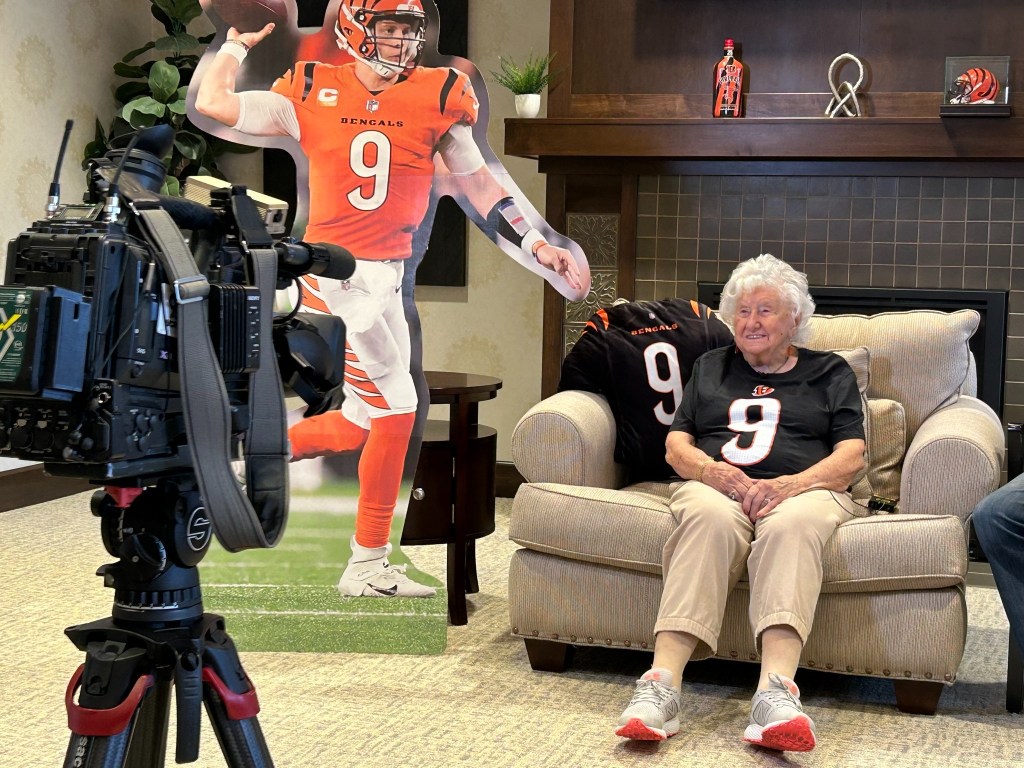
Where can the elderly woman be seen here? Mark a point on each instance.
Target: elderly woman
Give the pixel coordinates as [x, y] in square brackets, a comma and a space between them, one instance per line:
[770, 437]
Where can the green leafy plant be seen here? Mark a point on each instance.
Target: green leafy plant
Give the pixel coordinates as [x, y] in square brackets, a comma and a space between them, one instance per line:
[530, 77]
[154, 93]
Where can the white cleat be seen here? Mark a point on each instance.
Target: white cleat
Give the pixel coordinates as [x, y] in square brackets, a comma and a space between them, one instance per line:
[369, 574]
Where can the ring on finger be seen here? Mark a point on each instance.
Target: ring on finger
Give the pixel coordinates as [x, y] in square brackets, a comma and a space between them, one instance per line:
[732, 495]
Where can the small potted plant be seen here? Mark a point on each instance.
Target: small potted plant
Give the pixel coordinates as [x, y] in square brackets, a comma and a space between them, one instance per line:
[526, 81]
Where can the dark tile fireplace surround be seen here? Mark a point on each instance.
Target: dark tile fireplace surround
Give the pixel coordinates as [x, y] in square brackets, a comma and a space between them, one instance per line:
[906, 232]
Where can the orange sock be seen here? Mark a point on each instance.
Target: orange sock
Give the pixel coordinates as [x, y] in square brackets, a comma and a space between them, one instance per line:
[380, 477]
[325, 434]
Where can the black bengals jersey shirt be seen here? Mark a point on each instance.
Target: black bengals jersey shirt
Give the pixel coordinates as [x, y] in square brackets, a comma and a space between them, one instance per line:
[639, 356]
[770, 425]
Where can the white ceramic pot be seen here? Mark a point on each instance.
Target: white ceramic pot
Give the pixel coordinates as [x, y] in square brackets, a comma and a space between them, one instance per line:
[527, 104]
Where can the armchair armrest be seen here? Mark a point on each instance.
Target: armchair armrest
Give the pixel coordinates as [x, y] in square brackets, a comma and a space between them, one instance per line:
[568, 438]
[954, 460]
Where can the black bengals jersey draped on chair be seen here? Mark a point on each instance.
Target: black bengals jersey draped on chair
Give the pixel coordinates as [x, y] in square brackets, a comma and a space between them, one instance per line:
[639, 356]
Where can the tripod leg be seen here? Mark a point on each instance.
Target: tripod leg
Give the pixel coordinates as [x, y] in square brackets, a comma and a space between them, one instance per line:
[148, 748]
[114, 703]
[231, 704]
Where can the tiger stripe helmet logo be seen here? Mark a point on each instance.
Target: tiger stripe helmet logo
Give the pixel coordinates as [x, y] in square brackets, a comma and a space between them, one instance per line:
[975, 86]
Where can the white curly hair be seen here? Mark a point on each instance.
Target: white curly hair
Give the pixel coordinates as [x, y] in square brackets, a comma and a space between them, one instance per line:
[766, 271]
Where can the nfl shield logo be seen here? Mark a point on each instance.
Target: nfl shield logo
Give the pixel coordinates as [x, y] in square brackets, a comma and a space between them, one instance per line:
[372, 105]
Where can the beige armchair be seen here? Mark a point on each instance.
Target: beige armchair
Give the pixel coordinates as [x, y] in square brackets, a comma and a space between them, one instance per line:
[893, 595]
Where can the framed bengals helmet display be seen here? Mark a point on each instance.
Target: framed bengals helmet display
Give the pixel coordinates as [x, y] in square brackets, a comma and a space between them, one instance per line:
[976, 86]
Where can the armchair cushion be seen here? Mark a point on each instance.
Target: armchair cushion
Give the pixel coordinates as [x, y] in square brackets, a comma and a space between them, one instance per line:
[885, 450]
[903, 344]
[628, 529]
[625, 528]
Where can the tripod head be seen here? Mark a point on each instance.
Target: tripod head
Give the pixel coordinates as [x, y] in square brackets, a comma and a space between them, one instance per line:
[157, 637]
[159, 534]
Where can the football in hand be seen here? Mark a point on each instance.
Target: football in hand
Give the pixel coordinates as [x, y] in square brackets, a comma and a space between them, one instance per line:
[250, 15]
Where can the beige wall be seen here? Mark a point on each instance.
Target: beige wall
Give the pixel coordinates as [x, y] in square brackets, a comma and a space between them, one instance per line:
[493, 326]
[58, 57]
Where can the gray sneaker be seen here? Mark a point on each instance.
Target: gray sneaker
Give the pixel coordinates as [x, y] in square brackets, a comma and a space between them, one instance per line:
[777, 719]
[653, 712]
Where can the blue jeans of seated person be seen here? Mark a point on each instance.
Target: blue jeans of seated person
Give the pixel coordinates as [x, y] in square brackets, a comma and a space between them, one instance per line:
[999, 523]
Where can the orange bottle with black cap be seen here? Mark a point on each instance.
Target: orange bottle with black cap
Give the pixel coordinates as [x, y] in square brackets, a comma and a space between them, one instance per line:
[727, 84]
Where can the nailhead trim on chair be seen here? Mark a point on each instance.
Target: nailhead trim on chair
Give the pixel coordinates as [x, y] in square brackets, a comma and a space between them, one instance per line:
[735, 655]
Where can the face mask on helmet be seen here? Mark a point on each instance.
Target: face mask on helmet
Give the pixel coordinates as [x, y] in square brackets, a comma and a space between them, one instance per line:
[389, 37]
[975, 86]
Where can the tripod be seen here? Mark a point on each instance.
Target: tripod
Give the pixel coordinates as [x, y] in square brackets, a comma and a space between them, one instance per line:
[156, 638]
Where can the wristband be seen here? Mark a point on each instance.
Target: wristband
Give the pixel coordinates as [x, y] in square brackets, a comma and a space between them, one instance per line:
[236, 49]
[701, 467]
[533, 240]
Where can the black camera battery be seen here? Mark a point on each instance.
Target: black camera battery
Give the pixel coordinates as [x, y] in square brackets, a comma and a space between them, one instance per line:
[234, 312]
[44, 333]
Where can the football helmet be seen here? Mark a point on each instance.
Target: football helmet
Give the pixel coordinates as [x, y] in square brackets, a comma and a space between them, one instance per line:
[975, 86]
[356, 29]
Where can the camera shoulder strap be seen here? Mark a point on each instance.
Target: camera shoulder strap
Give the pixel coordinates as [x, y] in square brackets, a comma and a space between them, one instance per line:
[237, 524]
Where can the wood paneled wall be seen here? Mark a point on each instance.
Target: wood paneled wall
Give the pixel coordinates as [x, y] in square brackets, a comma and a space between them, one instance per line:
[633, 92]
[614, 56]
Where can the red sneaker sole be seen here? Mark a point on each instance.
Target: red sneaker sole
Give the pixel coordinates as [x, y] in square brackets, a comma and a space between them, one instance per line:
[636, 729]
[793, 736]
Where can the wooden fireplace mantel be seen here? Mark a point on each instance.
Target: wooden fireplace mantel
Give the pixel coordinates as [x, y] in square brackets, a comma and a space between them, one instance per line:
[859, 139]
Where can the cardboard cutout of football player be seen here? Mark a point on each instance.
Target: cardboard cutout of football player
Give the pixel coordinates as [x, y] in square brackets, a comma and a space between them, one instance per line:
[380, 134]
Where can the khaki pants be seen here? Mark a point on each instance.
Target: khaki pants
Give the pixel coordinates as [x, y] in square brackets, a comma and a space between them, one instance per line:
[714, 541]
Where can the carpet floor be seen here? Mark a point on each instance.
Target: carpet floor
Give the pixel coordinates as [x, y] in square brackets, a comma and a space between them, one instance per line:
[478, 703]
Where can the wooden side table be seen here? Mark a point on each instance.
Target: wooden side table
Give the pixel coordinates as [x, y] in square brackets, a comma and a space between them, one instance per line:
[453, 489]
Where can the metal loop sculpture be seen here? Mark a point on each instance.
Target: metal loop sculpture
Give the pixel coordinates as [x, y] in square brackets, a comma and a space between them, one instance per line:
[844, 101]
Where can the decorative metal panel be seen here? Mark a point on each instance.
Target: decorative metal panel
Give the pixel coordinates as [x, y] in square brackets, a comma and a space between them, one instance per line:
[598, 235]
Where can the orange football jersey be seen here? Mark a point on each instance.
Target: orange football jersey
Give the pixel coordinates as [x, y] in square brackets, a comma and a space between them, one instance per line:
[371, 154]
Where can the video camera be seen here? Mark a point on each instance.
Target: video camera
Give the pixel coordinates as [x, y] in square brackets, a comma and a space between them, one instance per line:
[130, 353]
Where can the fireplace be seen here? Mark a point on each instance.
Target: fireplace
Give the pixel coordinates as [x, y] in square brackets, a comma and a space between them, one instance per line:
[988, 343]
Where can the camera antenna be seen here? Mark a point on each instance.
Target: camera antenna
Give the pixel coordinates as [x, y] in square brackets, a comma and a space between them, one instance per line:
[53, 199]
[112, 209]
